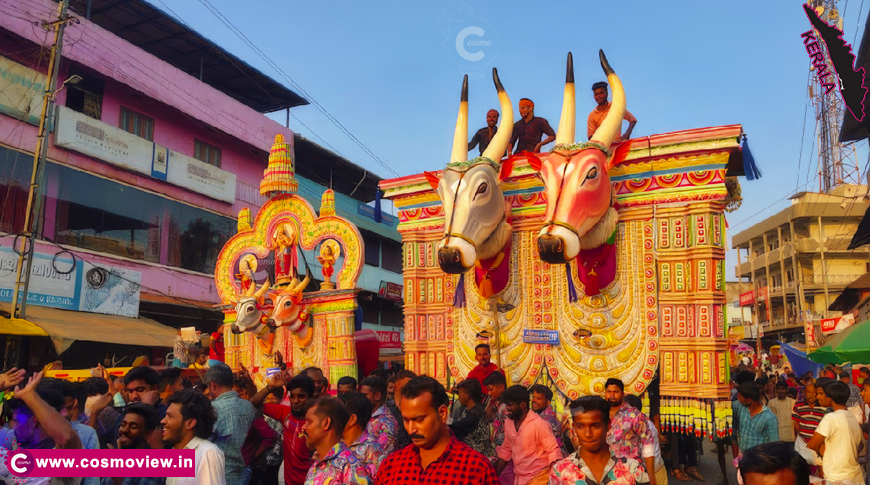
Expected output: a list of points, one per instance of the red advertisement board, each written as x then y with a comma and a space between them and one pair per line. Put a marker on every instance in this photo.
389, 340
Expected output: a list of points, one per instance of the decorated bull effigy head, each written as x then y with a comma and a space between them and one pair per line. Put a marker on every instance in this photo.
288, 310
249, 309
580, 213
476, 226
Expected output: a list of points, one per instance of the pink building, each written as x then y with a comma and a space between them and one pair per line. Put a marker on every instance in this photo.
159, 140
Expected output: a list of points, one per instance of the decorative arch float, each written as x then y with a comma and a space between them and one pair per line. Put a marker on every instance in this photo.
261, 282
599, 259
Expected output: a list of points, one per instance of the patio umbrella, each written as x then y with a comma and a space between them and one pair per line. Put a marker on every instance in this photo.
744, 348
850, 345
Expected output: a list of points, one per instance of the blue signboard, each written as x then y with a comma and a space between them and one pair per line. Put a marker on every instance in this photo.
546, 337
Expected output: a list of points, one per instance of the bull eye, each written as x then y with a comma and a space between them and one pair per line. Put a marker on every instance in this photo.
480, 189
288, 304
250, 309
593, 174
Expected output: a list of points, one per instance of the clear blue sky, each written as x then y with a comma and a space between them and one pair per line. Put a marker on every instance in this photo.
390, 72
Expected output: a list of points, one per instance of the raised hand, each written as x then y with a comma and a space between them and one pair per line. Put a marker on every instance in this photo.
11, 378
277, 381
30, 389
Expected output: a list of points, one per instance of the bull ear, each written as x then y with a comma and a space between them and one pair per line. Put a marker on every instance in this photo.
619, 155
507, 167
433, 179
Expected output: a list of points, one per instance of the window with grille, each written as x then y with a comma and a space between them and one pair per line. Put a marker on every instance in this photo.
207, 153
137, 124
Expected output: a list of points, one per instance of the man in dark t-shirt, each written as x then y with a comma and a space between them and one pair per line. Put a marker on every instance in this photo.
529, 129
484, 135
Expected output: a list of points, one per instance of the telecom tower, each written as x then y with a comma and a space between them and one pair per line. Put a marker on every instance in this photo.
837, 162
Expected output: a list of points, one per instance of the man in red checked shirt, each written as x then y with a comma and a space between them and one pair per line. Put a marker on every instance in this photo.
435, 455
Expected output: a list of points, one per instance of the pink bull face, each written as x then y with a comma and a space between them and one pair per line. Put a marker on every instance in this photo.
578, 196
288, 311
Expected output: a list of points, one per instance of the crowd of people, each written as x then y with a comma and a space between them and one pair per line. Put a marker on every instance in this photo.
399, 428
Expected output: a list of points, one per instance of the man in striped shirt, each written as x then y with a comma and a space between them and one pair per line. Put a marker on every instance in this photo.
806, 419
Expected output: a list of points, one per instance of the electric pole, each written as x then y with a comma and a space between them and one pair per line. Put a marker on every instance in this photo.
31, 215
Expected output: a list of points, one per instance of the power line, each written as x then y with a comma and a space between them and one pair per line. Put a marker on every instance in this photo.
296, 85
768, 207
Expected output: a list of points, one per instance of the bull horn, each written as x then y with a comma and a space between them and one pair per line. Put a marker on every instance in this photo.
460, 136
568, 122
262, 291
251, 289
500, 141
298, 289
610, 127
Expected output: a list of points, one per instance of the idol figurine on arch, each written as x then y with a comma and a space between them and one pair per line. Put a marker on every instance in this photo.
329, 253
284, 241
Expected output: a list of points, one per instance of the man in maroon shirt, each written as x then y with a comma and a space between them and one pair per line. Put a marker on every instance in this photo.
297, 456
435, 456
529, 129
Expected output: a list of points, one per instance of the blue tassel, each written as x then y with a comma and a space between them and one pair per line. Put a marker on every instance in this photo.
749, 166
378, 217
459, 296
572, 292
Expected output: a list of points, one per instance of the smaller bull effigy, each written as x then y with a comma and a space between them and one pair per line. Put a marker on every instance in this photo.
270, 318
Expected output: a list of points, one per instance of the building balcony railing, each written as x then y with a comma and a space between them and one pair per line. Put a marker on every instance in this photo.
829, 279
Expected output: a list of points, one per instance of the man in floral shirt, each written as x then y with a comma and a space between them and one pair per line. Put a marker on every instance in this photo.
333, 461
383, 427
355, 436
541, 398
594, 462
629, 435
496, 412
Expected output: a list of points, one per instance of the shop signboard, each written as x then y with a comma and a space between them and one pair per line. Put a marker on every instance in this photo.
21, 91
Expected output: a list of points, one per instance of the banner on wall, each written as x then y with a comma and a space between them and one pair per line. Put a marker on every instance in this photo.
108, 290
21, 91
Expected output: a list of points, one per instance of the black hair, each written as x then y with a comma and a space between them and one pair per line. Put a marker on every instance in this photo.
838, 392
311, 369
219, 374
148, 413
418, 385
382, 373
77, 391
146, 374
347, 381
390, 380
332, 408
96, 385
633, 401
472, 387
376, 384
769, 458
587, 404
793, 393
750, 390
527, 99
599, 84
167, 377
866, 382
744, 376
484, 346
515, 394
405, 374
762, 381
823, 381
358, 405
614, 382
494, 379
864, 369
194, 406
845, 375
781, 385
543, 390
303, 382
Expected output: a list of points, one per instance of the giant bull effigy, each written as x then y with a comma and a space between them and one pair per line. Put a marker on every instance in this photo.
596, 260
269, 319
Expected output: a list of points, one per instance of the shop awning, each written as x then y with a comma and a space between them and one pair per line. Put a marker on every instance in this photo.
64, 327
